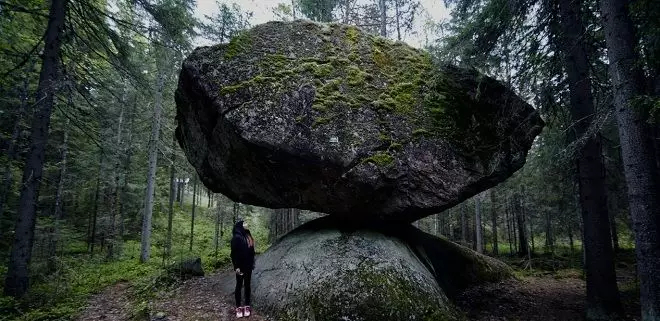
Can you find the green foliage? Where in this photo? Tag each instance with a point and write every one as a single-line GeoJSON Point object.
{"type": "Point", "coordinates": [318, 10]}
{"type": "Point", "coordinates": [227, 23]}
{"type": "Point", "coordinates": [61, 295]}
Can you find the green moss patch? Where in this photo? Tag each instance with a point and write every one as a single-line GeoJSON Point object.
{"type": "Point", "coordinates": [238, 44]}
{"type": "Point", "coordinates": [370, 293]}
{"type": "Point", "coordinates": [382, 159]}
{"type": "Point", "coordinates": [350, 69]}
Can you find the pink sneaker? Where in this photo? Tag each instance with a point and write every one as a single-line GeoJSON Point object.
{"type": "Point", "coordinates": [247, 310]}
{"type": "Point", "coordinates": [239, 312]}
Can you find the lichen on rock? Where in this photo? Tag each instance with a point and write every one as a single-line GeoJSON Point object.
{"type": "Point", "coordinates": [292, 115]}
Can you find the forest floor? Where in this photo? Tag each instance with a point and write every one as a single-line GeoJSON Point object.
{"type": "Point", "coordinates": [199, 299]}
{"type": "Point", "coordinates": [532, 295]}
{"type": "Point", "coordinates": [553, 296]}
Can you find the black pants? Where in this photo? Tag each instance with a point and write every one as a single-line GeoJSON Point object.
{"type": "Point", "coordinates": [245, 279]}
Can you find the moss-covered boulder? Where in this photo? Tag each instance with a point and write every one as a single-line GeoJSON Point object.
{"type": "Point", "coordinates": [329, 274]}
{"type": "Point", "coordinates": [326, 270]}
{"type": "Point", "coordinates": [332, 119]}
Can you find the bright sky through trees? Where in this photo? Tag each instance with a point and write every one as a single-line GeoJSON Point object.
{"type": "Point", "coordinates": [433, 11]}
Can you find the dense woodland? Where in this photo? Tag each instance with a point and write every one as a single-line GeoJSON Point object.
{"type": "Point", "coordinates": [95, 189]}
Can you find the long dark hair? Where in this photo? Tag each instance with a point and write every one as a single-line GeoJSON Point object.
{"type": "Point", "coordinates": [241, 231]}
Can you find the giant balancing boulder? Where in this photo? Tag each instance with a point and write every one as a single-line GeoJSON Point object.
{"type": "Point", "coordinates": [332, 119]}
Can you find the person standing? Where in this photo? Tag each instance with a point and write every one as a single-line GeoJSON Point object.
{"type": "Point", "coordinates": [242, 257]}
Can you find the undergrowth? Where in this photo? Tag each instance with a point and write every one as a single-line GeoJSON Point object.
{"type": "Point", "coordinates": [64, 293]}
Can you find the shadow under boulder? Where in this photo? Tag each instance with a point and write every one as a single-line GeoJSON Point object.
{"type": "Point", "coordinates": [327, 271]}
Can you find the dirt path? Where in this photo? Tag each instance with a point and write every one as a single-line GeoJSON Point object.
{"type": "Point", "coordinates": [205, 298]}
{"type": "Point", "coordinates": [197, 299]}
{"type": "Point", "coordinates": [111, 304]}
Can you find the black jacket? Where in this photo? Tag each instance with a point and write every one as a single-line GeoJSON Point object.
{"type": "Point", "coordinates": [242, 255]}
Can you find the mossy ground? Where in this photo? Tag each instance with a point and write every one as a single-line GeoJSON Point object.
{"type": "Point", "coordinates": [351, 69]}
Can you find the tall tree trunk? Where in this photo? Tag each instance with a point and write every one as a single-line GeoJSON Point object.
{"type": "Point", "coordinates": [59, 194]}
{"type": "Point", "coordinates": [549, 242]}
{"type": "Point", "coordinates": [17, 277]}
{"type": "Point", "coordinates": [531, 230]}
{"type": "Point", "coordinates": [477, 221]}
{"type": "Point", "coordinates": [128, 150]}
{"type": "Point", "coordinates": [192, 217]}
{"type": "Point", "coordinates": [115, 200]}
{"type": "Point", "coordinates": [183, 193]}
{"type": "Point", "coordinates": [398, 23]}
{"type": "Point", "coordinates": [512, 218]}
{"type": "Point", "coordinates": [151, 175]}
{"type": "Point", "coordinates": [613, 230]}
{"type": "Point", "coordinates": [8, 179]}
{"type": "Point", "coordinates": [493, 217]}
{"type": "Point", "coordinates": [637, 150]}
{"type": "Point", "coordinates": [507, 220]}
{"type": "Point", "coordinates": [170, 212]}
{"type": "Point", "coordinates": [571, 242]}
{"type": "Point", "coordinates": [602, 294]}
{"type": "Point", "coordinates": [523, 247]}
{"type": "Point", "coordinates": [97, 195]}
{"type": "Point", "coordinates": [382, 6]}
{"type": "Point", "coordinates": [216, 239]}
{"type": "Point", "coordinates": [463, 225]}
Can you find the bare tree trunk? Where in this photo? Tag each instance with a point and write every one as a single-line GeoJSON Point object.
{"type": "Point", "coordinates": [523, 247]}
{"type": "Point", "coordinates": [602, 294]}
{"type": "Point", "coordinates": [639, 157]}
{"type": "Point", "coordinates": [180, 191]}
{"type": "Point", "coordinates": [170, 206]}
{"type": "Point", "coordinates": [57, 212]}
{"type": "Point", "coordinates": [192, 218]}
{"type": "Point", "coordinates": [463, 226]}
{"type": "Point", "coordinates": [571, 242]}
{"type": "Point", "coordinates": [17, 277]}
{"type": "Point", "coordinates": [509, 234]}
{"type": "Point", "coordinates": [477, 228]}
{"type": "Point", "coordinates": [11, 148]}
{"type": "Point", "coordinates": [151, 175]}
{"type": "Point", "coordinates": [383, 18]}
{"type": "Point", "coordinates": [217, 237]}
{"type": "Point", "coordinates": [613, 231]}
{"type": "Point", "coordinates": [549, 243]}
{"type": "Point", "coordinates": [114, 195]}
{"type": "Point", "coordinates": [494, 221]}
{"type": "Point", "coordinates": [398, 23]}
{"type": "Point", "coordinates": [97, 195]}
{"type": "Point", "coordinates": [127, 167]}
{"type": "Point", "coordinates": [531, 230]}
